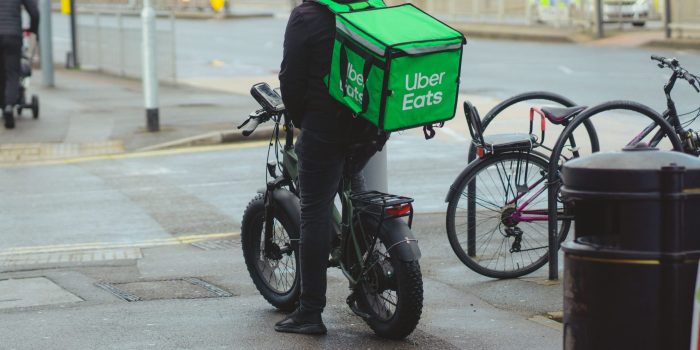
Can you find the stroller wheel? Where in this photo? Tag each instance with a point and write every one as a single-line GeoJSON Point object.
{"type": "Point", "coordinates": [35, 106]}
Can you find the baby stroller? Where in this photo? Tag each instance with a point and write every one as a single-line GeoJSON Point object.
{"type": "Point", "coordinates": [25, 78]}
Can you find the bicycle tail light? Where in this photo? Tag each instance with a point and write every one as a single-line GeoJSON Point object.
{"type": "Point", "coordinates": [399, 210]}
{"type": "Point", "coordinates": [480, 151]}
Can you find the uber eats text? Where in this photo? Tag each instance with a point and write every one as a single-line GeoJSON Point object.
{"type": "Point", "coordinates": [355, 92]}
{"type": "Point", "coordinates": [418, 81]}
{"type": "Point", "coordinates": [354, 88]}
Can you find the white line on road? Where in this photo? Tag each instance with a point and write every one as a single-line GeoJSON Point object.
{"type": "Point", "coordinates": [457, 136]}
{"type": "Point", "coordinates": [566, 70]}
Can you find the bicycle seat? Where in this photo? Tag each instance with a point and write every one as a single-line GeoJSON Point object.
{"type": "Point", "coordinates": [494, 144]}
{"type": "Point", "coordinates": [559, 115]}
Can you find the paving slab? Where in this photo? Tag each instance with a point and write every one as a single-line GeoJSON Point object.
{"type": "Point", "coordinates": [38, 291]}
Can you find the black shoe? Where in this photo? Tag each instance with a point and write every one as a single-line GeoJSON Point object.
{"type": "Point", "coordinates": [302, 323]}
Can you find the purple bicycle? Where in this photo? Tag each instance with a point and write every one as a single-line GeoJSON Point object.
{"type": "Point", "coordinates": [497, 216]}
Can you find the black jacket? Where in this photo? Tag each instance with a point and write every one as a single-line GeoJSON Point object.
{"type": "Point", "coordinates": [308, 49]}
{"type": "Point", "coordinates": [11, 16]}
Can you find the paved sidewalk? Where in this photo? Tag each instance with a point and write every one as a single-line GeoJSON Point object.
{"type": "Point", "coordinates": [90, 114]}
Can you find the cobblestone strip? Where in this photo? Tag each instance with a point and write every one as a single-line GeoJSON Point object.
{"type": "Point", "coordinates": [70, 257]}
{"type": "Point", "coordinates": [31, 152]}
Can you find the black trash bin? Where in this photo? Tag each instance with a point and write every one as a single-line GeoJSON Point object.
{"type": "Point", "coordinates": [629, 274]}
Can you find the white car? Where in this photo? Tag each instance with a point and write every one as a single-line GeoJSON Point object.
{"type": "Point", "coordinates": [635, 11]}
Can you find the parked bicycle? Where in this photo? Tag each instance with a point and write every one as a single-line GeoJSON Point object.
{"type": "Point", "coordinates": [497, 211]}
{"type": "Point", "coordinates": [373, 245]}
{"type": "Point", "coordinates": [669, 123]}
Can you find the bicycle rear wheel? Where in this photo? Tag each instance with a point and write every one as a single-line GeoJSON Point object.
{"type": "Point", "coordinates": [497, 215]}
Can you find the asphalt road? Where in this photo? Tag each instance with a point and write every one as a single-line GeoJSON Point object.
{"type": "Point", "coordinates": [588, 74]}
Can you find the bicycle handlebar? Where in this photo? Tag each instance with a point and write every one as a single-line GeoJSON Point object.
{"type": "Point", "coordinates": [250, 128]}
{"type": "Point", "coordinates": [254, 120]}
{"type": "Point", "coordinates": [670, 62]}
{"type": "Point", "coordinates": [676, 67]}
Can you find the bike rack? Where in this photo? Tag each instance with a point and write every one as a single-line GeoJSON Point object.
{"type": "Point", "coordinates": [376, 203]}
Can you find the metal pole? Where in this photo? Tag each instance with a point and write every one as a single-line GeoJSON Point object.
{"type": "Point", "coordinates": [173, 48]}
{"type": "Point", "coordinates": [122, 46]}
{"type": "Point", "coordinates": [599, 18]}
{"type": "Point", "coordinates": [528, 12]}
{"type": "Point", "coordinates": [667, 18]}
{"type": "Point", "coordinates": [376, 174]}
{"type": "Point", "coordinates": [98, 42]}
{"type": "Point", "coordinates": [45, 42]}
{"type": "Point", "coordinates": [74, 62]}
{"type": "Point", "coordinates": [149, 73]}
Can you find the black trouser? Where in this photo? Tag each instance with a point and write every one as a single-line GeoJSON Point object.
{"type": "Point", "coordinates": [323, 159]}
{"type": "Point", "coordinates": [10, 58]}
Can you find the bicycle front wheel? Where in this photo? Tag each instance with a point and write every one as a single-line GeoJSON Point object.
{"type": "Point", "coordinates": [497, 215]}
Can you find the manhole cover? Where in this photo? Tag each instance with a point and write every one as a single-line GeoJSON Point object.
{"type": "Point", "coordinates": [181, 288]}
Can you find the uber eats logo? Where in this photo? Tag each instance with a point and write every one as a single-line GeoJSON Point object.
{"type": "Point", "coordinates": [355, 84]}
{"type": "Point", "coordinates": [421, 90]}
{"type": "Point", "coordinates": [419, 98]}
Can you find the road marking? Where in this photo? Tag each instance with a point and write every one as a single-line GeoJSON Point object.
{"type": "Point", "coordinates": [166, 152]}
{"type": "Point", "coordinates": [566, 70]}
{"type": "Point", "coordinates": [116, 245]}
{"type": "Point", "coordinates": [455, 135]}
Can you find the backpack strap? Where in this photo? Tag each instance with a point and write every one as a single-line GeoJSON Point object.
{"type": "Point", "coordinates": [429, 130]}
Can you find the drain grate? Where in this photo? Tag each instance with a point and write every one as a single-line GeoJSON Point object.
{"type": "Point", "coordinates": [218, 244]}
{"type": "Point", "coordinates": [180, 288]}
{"type": "Point", "coordinates": [121, 294]}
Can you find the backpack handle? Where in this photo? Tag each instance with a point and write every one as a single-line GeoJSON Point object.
{"type": "Point", "coordinates": [337, 7]}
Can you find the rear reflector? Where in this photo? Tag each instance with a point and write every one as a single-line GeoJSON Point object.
{"type": "Point", "coordinates": [399, 210]}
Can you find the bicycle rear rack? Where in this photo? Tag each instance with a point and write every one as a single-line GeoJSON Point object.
{"type": "Point", "coordinates": [383, 205]}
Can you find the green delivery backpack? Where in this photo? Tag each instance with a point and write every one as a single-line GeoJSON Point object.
{"type": "Point", "coordinates": [397, 67]}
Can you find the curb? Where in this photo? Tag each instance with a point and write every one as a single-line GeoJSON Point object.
{"type": "Point", "coordinates": [177, 14]}
{"type": "Point", "coordinates": [515, 33]}
{"type": "Point", "coordinates": [213, 138]}
{"type": "Point", "coordinates": [674, 44]}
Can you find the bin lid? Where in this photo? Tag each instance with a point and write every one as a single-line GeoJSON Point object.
{"type": "Point", "coordinates": [634, 169]}
{"type": "Point", "coordinates": [404, 27]}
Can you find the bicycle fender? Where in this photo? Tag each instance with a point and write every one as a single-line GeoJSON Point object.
{"type": "Point", "coordinates": [400, 240]}
{"type": "Point", "coordinates": [289, 204]}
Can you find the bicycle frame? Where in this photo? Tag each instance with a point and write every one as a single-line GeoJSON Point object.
{"type": "Point", "coordinates": [671, 114]}
{"type": "Point", "coordinates": [343, 217]}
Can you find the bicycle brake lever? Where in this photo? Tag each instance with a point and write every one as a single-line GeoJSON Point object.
{"type": "Point", "coordinates": [244, 123]}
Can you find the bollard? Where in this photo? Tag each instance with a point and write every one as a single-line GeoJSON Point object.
{"type": "Point", "coordinates": [150, 74]}
{"type": "Point", "coordinates": [45, 42]}
{"type": "Point", "coordinates": [375, 172]}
